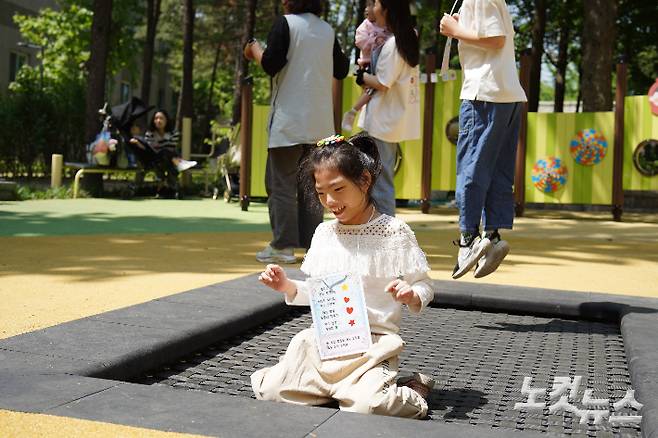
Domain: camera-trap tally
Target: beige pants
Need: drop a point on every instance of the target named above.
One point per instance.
(364, 383)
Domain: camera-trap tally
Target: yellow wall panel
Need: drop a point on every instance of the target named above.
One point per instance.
(639, 124)
(550, 134)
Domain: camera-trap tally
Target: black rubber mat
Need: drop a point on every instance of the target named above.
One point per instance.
(478, 359)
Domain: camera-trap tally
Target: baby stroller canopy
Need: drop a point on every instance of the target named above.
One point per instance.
(124, 115)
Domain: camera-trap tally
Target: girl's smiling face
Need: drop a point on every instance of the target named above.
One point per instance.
(342, 196)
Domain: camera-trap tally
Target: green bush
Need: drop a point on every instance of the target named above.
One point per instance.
(26, 193)
(38, 120)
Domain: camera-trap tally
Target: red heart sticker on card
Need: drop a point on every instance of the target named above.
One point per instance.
(350, 310)
(347, 300)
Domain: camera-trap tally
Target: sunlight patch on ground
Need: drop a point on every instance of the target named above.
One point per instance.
(18, 424)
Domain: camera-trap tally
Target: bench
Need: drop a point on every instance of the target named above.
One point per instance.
(83, 168)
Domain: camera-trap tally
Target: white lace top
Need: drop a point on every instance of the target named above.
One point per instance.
(379, 251)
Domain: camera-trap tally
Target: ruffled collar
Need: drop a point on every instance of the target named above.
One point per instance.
(383, 247)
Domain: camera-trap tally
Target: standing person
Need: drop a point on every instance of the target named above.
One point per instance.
(384, 253)
(160, 150)
(393, 113)
(369, 38)
(302, 56)
(489, 121)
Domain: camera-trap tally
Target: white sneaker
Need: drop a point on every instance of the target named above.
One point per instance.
(494, 257)
(348, 120)
(183, 165)
(469, 254)
(273, 255)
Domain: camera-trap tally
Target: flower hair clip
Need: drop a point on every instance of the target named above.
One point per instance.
(336, 138)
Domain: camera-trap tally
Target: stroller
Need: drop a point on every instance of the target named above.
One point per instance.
(110, 147)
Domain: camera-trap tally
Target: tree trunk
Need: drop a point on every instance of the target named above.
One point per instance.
(561, 67)
(599, 31)
(186, 102)
(579, 98)
(538, 30)
(152, 17)
(213, 77)
(435, 37)
(97, 65)
(241, 64)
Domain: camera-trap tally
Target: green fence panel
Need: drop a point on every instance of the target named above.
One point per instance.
(550, 134)
(259, 150)
(639, 124)
(444, 153)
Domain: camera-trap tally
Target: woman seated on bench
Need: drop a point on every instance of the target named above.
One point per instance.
(157, 150)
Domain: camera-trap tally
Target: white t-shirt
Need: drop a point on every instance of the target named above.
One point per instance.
(489, 74)
(393, 115)
(378, 251)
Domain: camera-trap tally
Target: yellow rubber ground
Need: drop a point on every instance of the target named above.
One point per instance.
(22, 425)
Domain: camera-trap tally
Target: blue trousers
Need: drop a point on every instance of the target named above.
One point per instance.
(486, 154)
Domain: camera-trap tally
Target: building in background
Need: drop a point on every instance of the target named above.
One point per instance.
(12, 55)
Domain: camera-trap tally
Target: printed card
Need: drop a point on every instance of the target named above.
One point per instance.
(340, 318)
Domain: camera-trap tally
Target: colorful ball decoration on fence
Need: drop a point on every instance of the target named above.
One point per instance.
(549, 175)
(588, 147)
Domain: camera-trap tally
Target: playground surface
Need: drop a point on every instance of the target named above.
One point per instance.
(69, 259)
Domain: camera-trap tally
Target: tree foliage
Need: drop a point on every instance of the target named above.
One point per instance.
(219, 32)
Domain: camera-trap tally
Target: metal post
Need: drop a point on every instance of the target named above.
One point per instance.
(519, 173)
(56, 170)
(618, 156)
(186, 148)
(428, 131)
(246, 119)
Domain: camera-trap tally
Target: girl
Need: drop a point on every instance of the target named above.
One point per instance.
(489, 123)
(380, 249)
(369, 38)
(393, 113)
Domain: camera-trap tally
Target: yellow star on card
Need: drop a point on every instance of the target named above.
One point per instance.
(344, 287)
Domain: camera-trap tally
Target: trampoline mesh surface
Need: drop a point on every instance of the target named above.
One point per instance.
(478, 359)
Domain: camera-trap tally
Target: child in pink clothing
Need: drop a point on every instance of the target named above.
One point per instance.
(369, 38)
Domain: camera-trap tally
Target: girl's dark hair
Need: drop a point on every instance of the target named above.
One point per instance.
(352, 158)
(170, 123)
(399, 21)
(302, 6)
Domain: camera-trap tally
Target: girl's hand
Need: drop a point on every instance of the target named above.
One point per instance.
(275, 277)
(402, 292)
(449, 25)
